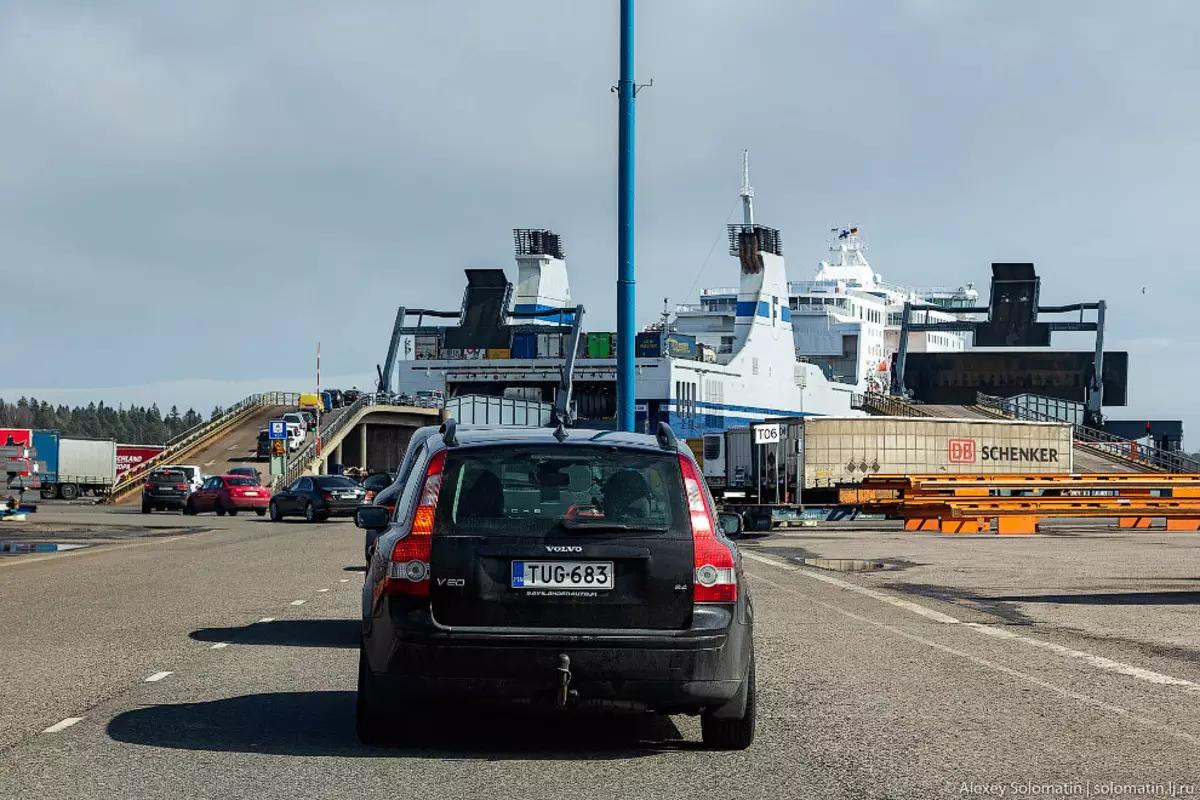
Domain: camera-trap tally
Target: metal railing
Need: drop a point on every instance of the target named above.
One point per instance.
(190, 439)
(890, 406)
(1102, 441)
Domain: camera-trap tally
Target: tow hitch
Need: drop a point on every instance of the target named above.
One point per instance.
(565, 695)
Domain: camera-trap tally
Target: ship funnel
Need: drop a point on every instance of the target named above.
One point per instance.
(762, 295)
(541, 275)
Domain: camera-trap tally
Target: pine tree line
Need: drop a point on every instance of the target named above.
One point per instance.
(133, 425)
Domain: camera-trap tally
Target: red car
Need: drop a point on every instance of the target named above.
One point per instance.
(229, 494)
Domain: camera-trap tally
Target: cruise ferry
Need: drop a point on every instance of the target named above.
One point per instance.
(695, 388)
(845, 319)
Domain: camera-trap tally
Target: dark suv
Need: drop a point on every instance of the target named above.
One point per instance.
(578, 569)
(165, 490)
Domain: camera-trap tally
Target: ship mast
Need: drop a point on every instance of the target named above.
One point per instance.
(747, 190)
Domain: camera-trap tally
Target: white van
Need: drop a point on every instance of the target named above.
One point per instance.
(194, 476)
(296, 420)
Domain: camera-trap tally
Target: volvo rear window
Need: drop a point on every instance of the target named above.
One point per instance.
(527, 490)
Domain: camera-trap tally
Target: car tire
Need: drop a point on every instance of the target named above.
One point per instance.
(733, 734)
(68, 491)
(262, 512)
(146, 509)
(189, 509)
(310, 513)
(276, 514)
(220, 509)
(233, 512)
(369, 720)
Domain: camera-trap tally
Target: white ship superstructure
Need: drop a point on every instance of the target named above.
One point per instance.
(845, 319)
(679, 380)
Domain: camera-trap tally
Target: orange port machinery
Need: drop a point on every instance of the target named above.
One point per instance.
(969, 503)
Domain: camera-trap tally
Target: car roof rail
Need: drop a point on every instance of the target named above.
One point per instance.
(666, 437)
(449, 431)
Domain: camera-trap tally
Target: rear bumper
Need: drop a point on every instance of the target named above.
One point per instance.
(339, 509)
(673, 673)
(249, 502)
(164, 502)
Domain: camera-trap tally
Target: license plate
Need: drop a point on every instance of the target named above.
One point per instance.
(562, 575)
(349, 496)
(251, 494)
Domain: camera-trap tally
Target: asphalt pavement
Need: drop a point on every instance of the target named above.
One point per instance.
(218, 660)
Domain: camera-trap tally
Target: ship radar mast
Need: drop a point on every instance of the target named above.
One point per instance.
(747, 190)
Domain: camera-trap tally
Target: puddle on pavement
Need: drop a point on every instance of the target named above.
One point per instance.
(847, 564)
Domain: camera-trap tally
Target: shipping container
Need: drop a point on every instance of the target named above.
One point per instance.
(524, 345)
(842, 451)
(549, 345)
(599, 345)
(500, 353)
(452, 354)
(130, 456)
(473, 353)
(680, 345)
(483, 410)
(649, 345)
(696, 445)
(72, 467)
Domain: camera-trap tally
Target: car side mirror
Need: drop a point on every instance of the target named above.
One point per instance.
(371, 518)
(730, 523)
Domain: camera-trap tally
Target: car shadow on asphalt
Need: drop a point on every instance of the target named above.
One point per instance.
(288, 633)
(355, 568)
(1182, 598)
(322, 724)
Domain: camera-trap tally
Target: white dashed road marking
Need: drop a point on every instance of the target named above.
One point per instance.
(907, 605)
(158, 676)
(66, 723)
(219, 645)
(992, 665)
(267, 619)
(297, 602)
(1099, 662)
(322, 590)
(344, 580)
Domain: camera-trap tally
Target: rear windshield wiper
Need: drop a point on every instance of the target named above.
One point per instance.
(576, 525)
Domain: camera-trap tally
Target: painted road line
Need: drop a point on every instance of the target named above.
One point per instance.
(907, 605)
(344, 580)
(158, 676)
(219, 645)
(991, 665)
(1099, 662)
(66, 723)
(322, 591)
(210, 463)
(267, 619)
(297, 602)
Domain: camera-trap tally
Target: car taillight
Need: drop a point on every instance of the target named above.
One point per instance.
(370, 495)
(326, 495)
(408, 572)
(715, 579)
(181, 486)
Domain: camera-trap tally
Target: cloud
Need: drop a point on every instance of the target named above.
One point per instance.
(205, 190)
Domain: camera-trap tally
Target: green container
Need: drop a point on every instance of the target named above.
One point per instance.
(599, 345)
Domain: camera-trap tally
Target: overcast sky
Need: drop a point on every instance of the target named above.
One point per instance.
(199, 191)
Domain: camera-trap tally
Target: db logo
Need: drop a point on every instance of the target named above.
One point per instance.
(962, 451)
